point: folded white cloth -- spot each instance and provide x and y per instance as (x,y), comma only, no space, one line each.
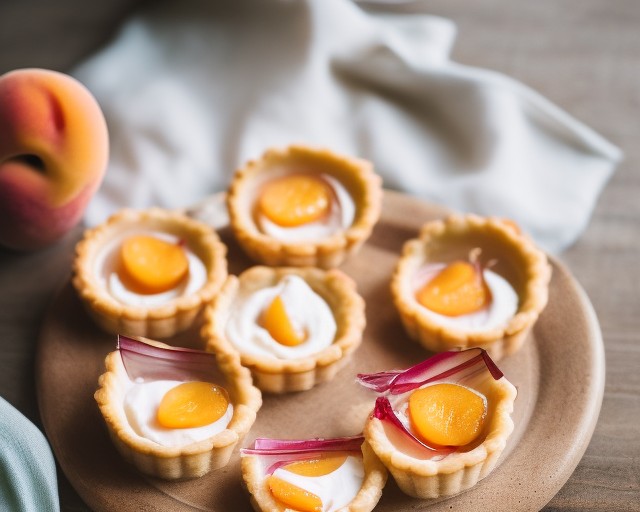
(192,89)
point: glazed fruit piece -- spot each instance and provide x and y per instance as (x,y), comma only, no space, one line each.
(303,206)
(172,412)
(293,328)
(53,154)
(469,281)
(457,289)
(278,324)
(447,414)
(151,264)
(192,404)
(441,425)
(295,200)
(316,475)
(148,272)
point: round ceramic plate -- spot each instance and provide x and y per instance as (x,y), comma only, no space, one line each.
(559,374)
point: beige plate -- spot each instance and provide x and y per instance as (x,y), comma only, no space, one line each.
(559,375)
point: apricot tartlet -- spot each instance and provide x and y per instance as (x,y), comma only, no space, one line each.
(149,272)
(293,327)
(172,412)
(315,475)
(469,281)
(302,206)
(440,426)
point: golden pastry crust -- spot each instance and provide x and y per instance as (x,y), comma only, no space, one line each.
(458,471)
(517,260)
(159,321)
(375,478)
(284,375)
(356,175)
(190,461)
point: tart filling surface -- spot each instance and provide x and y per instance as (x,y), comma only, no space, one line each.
(114,277)
(494,309)
(288,320)
(289,208)
(153,413)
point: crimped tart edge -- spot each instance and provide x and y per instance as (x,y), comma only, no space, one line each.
(499,341)
(327,253)
(162,321)
(367,498)
(189,461)
(456,472)
(280,375)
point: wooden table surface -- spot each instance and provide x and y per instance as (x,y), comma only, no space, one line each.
(582,54)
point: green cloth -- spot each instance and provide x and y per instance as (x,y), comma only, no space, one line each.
(27,468)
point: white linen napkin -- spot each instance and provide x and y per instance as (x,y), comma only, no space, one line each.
(192,89)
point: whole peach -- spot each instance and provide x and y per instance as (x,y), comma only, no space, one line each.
(54,149)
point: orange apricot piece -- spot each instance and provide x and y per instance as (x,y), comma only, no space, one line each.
(192,404)
(458,289)
(293,496)
(276,321)
(152,265)
(295,200)
(316,467)
(447,414)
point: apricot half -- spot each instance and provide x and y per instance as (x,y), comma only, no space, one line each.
(316,467)
(447,414)
(295,200)
(277,322)
(151,265)
(458,289)
(294,496)
(192,404)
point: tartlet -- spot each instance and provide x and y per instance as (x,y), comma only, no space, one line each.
(258,466)
(274,368)
(513,260)
(150,361)
(439,471)
(97,260)
(349,184)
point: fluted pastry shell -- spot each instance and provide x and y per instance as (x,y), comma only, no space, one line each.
(160,321)
(356,175)
(516,258)
(189,461)
(423,478)
(375,477)
(276,375)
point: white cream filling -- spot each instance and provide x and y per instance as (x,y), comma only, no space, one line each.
(141,407)
(307,311)
(340,217)
(336,489)
(106,269)
(503,305)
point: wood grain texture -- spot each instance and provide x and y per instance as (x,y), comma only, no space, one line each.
(582,54)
